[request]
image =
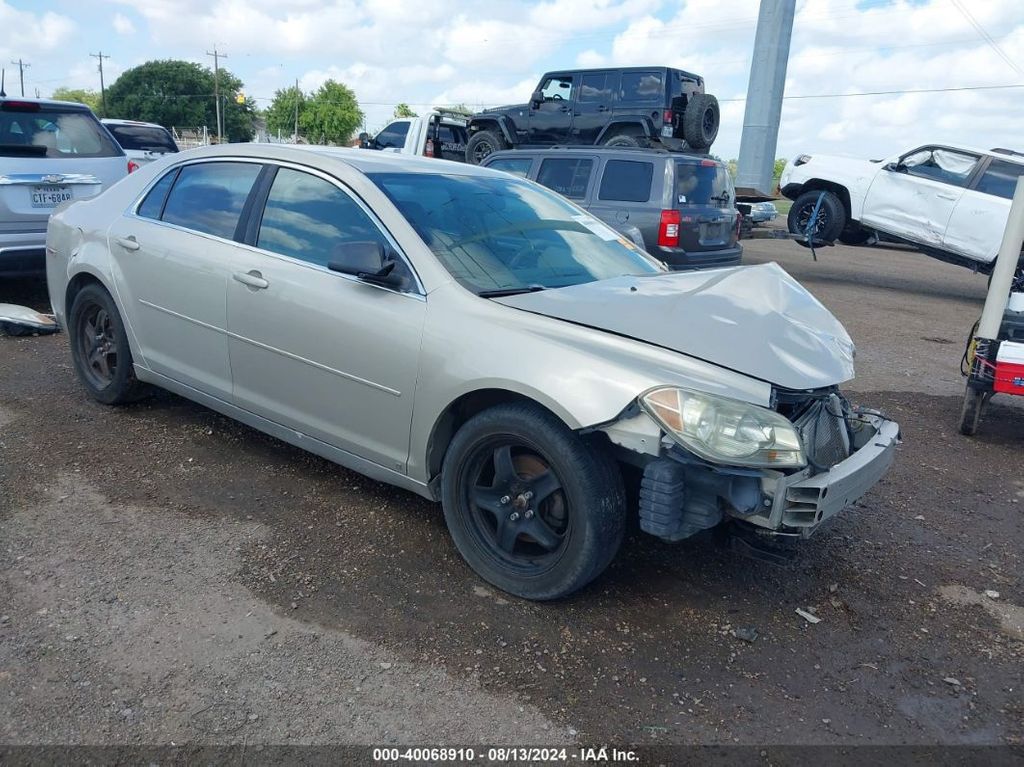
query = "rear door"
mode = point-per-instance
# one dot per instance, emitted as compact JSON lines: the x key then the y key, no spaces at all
{"x":550,"y":120}
{"x":48,"y":155}
{"x":642,"y":93}
{"x":594,"y":105}
{"x":172,"y":259}
{"x":915,"y":196}
{"x":706,"y":199}
{"x":452,"y":139}
{"x":623,"y":197}
{"x":976,"y":227}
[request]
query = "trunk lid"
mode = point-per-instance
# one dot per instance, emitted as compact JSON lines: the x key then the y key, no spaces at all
{"x":706,"y":200}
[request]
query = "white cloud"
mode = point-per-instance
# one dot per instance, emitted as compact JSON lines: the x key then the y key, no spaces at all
{"x":23,"y":33}
{"x":123,"y":25}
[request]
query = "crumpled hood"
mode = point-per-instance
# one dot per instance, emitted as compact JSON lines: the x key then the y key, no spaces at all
{"x":756,"y":320}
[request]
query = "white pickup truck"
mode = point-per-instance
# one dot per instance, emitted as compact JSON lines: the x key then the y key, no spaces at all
{"x":950,"y":202}
{"x":439,"y":133}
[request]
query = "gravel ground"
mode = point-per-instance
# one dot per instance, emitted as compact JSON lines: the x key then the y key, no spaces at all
{"x":169,"y":575}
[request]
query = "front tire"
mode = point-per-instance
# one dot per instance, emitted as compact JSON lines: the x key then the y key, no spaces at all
{"x":831,"y":220}
{"x":533,"y":508}
{"x":99,"y":348}
{"x":482,"y":144}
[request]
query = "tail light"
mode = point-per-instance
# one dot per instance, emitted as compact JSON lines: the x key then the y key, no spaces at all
{"x":668,"y":231}
{"x":19,"y":106}
{"x":667,"y":116}
{"x":133,"y":166}
{"x":428,"y":151}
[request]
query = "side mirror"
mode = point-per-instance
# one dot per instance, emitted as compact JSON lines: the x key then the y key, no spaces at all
{"x":364,"y":140}
{"x":896,"y":167}
{"x":369,"y":261}
{"x":537,"y":98}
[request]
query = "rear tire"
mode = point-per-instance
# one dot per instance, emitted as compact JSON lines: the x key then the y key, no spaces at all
{"x":701,"y":121}
{"x":482,"y":144}
{"x":99,"y":348}
{"x":533,"y":508}
{"x":628,"y":140}
{"x":831,"y":216}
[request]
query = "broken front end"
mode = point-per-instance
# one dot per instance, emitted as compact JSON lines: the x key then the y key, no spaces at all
{"x":781,"y":471}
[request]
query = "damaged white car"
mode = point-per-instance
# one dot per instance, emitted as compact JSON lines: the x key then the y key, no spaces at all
{"x":471,"y":337}
{"x":950,"y":202}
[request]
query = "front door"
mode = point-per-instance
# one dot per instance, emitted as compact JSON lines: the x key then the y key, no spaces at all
{"x":593,"y":105}
{"x":551,"y":117}
{"x":318,"y":351}
{"x":915,"y":196}
{"x":172,"y":261}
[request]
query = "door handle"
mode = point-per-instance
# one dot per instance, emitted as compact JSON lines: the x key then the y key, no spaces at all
{"x":564,"y":109}
{"x":252,"y":279}
{"x":602,"y":108}
{"x":129,"y":242}
{"x":943,"y":196}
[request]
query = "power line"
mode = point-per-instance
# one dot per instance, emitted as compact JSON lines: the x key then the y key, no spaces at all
{"x":986,"y":37}
{"x":894,"y":93}
{"x":21,"y":73}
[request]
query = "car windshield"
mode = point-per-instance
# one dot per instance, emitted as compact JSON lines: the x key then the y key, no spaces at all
{"x":506,"y":235}
{"x":42,"y":132}
{"x":143,"y":138}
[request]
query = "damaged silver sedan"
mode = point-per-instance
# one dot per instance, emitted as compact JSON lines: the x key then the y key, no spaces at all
{"x":473,"y":338}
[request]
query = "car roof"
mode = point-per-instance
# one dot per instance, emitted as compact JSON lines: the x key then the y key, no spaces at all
{"x":362,"y":160}
{"x":114,"y":121}
{"x":70,"y":105}
{"x":625,"y":151}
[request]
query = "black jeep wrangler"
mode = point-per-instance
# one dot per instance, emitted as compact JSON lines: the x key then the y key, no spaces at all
{"x":630,"y":107}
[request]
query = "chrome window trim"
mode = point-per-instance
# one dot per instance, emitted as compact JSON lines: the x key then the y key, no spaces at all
{"x":418,"y":292}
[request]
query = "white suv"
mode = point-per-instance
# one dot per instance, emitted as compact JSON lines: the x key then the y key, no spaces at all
{"x":950,"y":202}
{"x":142,"y":142}
{"x":50,"y":152}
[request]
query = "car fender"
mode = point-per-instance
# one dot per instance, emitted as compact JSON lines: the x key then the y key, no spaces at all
{"x":848,"y":177}
{"x":644,"y":123}
{"x":500,"y":121}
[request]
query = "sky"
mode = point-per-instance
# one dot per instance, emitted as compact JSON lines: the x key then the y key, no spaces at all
{"x":954,"y":53}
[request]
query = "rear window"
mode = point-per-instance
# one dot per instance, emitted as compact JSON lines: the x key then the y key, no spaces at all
{"x":627,"y":181}
{"x":517,"y":166}
{"x":53,"y":133}
{"x":208,"y":197}
{"x":568,"y":177}
{"x":703,"y":184}
{"x":641,"y":86}
{"x":146,"y":138}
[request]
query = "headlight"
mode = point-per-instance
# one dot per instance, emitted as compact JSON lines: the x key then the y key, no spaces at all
{"x":802,"y":159}
{"x":724,"y":430}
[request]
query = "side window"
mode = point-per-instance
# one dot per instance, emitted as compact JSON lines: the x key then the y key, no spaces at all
{"x":943,"y":165}
{"x":307,"y":217}
{"x":393,"y":136}
{"x":209,"y":196}
{"x":642,"y":86}
{"x":627,"y":181}
{"x":153,"y":205}
{"x":568,"y":177}
{"x":596,"y":87}
{"x":517,"y":166}
{"x":558,"y":88}
{"x":1001,"y":178}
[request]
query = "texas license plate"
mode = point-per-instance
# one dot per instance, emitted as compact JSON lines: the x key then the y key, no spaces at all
{"x":50,"y":196}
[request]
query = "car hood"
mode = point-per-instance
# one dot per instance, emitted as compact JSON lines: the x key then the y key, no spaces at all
{"x":756,"y":320}
{"x":506,"y":108}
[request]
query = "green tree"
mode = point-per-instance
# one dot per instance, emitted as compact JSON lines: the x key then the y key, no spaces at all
{"x":332,"y":114}
{"x":280,"y":114}
{"x":404,"y":110}
{"x":180,"y":94}
{"x":780,"y":165}
{"x":81,"y":95}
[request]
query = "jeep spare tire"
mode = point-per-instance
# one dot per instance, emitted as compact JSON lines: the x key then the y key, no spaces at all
{"x":701,"y":120}
{"x":483,"y":143}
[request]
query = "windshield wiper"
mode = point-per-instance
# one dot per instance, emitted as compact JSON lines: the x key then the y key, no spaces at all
{"x":510,"y":291}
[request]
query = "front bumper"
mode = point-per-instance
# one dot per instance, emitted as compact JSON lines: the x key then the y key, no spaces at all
{"x":800,"y":503}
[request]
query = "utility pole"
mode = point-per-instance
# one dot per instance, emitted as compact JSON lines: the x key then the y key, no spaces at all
{"x":21,"y":73}
{"x":295,"y":134}
{"x":103,"y":88}
{"x":216,"y":86}
{"x":764,"y":98}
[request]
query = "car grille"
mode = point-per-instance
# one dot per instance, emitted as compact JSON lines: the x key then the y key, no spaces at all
{"x":822,"y":428}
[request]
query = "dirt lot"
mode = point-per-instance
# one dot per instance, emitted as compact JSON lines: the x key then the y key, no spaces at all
{"x":169,"y":575}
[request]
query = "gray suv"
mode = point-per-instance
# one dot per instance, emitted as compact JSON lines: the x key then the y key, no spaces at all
{"x":681,"y":208}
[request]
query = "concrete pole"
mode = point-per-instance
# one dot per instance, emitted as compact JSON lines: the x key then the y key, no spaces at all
{"x":1004,"y":268}
{"x":764,"y":97}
